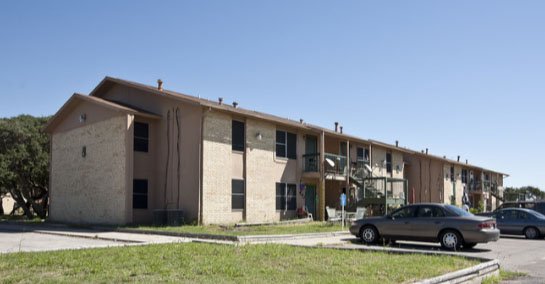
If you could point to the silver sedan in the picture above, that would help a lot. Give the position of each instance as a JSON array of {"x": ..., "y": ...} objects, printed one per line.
[{"x": 429, "y": 222}]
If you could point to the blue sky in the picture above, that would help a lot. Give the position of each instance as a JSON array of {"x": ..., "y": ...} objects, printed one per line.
[{"x": 458, "y": 77}]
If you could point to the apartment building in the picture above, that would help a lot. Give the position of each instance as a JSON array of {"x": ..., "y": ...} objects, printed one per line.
[
  {"x": 438, "y": 179},
  {"x": 129, "y": 153}
]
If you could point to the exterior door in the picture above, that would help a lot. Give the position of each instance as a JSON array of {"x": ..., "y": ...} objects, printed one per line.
[
  {"x": 310, "y": 199},
  {"x": 311, "y": 156},
  {"x": 311, "y": 145}
]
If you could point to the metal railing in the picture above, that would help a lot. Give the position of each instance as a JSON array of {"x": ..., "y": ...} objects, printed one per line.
[
  {"x": 335, "y": 164},
  {"x": 311, "y": 162}
]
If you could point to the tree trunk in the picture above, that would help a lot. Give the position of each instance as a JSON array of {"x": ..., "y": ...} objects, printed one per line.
[{"x": 22, "y": 204}]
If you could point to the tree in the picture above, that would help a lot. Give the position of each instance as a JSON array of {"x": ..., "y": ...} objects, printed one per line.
[
  {"x": 24, "y": 162},
  {"x": 522, "y": 193}
]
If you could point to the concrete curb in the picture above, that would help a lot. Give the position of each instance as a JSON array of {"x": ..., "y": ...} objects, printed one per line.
[
  {"x": 240, "y": 239},
  {"x": 182, "y": 235},
  {"x": 473, "y": 274},
  {"x": 76, "y": 235},
  {"x": 270, "y": 238}
]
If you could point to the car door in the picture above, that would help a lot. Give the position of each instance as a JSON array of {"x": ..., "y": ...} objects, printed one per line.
[
  {"x": 506, "y": 221},
  {"x": 428, "y": 222},
  {"x": 398, "y": 224}
]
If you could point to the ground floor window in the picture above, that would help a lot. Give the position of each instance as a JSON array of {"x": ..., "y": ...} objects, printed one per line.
[
  {"x": 140, "y": 194},
  {"x": 286, "y": 198},
  {"x": 237, "y": 194}
]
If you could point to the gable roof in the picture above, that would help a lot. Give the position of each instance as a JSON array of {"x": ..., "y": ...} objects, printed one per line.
[
  {"x": 77, "y": 98},
  {"x": 109, "y": 82}
]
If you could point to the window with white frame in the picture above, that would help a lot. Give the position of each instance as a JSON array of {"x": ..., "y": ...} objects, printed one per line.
[
  {"x": 286, "y": 144},
  {"x": 286, "y": 198}
]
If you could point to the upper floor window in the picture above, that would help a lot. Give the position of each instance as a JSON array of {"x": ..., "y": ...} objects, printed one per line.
[
  {"x": 141, "y": 137},
  {"x": 286, "y": 144},
  {"x": 389, "y": 163},
  {"x": 238, "y": 135},
  {"x": 464, "y": 176},
  {"x": 452, "y": 174},
  {"x": 363, "y": 154}
]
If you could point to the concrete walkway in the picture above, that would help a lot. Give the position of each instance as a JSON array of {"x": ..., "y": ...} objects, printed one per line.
[{"x": 15, "y": 238}]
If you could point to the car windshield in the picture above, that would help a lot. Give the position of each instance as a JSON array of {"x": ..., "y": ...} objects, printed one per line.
[{"x": 458, "y": 211}]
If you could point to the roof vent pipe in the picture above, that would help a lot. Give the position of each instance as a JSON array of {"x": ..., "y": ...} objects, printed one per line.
[
  {"x": 341, "y": 129},
  {"x": 301, "y": 121},
  {"x": 336, "y": 126},
  {"x": 235, "y": 104},
  {"x": 458, "y": 158},
  {"x": 397, "y": 143},
  {"x": 426, "y": 151},
  {"x": 159, "y": 84},
  {"x": 220, "y": 100},
  {"x": 466, "y": 161}
]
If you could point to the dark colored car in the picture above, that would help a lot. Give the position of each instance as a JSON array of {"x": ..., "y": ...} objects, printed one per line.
[
  {"x": 429, "y": 222},
  {"x": 520, "y": 221},
  {"x": 538, "y": 206}
]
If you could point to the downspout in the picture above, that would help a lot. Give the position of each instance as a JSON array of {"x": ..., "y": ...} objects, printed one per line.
[
  {"x": 199, "y": 209},
  {"x": 167, "y": 161},
  {"x": 178, "y": 158}
]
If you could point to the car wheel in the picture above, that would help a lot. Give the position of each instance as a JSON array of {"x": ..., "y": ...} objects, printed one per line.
[
  {"x": 450, "y": 240},
  {"x": 469, "y": 245},
  {"x": 531, "y": 233},
  {"x": 368, "y": 235}
]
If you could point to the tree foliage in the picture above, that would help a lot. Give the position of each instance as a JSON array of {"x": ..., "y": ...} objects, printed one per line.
[
  {"x": 24, "y": 162},
  {"x": 523, "y": 193}
]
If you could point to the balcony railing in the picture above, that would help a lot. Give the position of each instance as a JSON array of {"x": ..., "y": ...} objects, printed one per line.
[
  {"x": 335, "y": 164},
  {"x": 311, "y": 162}
]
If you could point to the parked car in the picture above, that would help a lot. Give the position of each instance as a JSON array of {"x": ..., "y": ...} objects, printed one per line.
[
  {"x": 538, "y": 206},
  {"x": 520, "y": 221},
  {"x": 430, "y": 222}
]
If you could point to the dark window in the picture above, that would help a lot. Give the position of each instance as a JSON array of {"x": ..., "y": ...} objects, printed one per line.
[
  {"x": 237, "y": 197},
  {"x": 363, "y": 154},
  {"x": 389, "y": 163},
  {"x": 140, "y": 194},
  {"x": 429, "y": 212},
  {"x": 452, "y": 174},
  {"x": 141, "y": 137},
  {"x": 286, "y": 145},
  {"x": 360, "y": 153},
  {"x": 238, "y": 135},
  {"x": 405, "y": 212},
  {"x": 286, "y": 197},
  {"x": 342, "y": 150},
  {"x": 292, "y": 146},
  {"x": 464, "y": 176}
]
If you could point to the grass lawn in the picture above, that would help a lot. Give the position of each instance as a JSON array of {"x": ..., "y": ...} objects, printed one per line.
[
  {"x": 504, "y": 276},
  {"x": 314, "y": 227},
  {"x": 211, "y": 263}
]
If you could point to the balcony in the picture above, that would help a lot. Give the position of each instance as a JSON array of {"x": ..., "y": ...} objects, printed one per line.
[
  {"x": 335, "y": 164},
  {"x": 311, "y": 162}
]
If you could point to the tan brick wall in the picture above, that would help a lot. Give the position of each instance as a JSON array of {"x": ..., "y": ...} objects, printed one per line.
[
  {"x": 217, "y": 163},
  {"x": 91, "y": 189},
  {"x": 264, "y": 170},
  {"x": 449, "y": 188}
]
